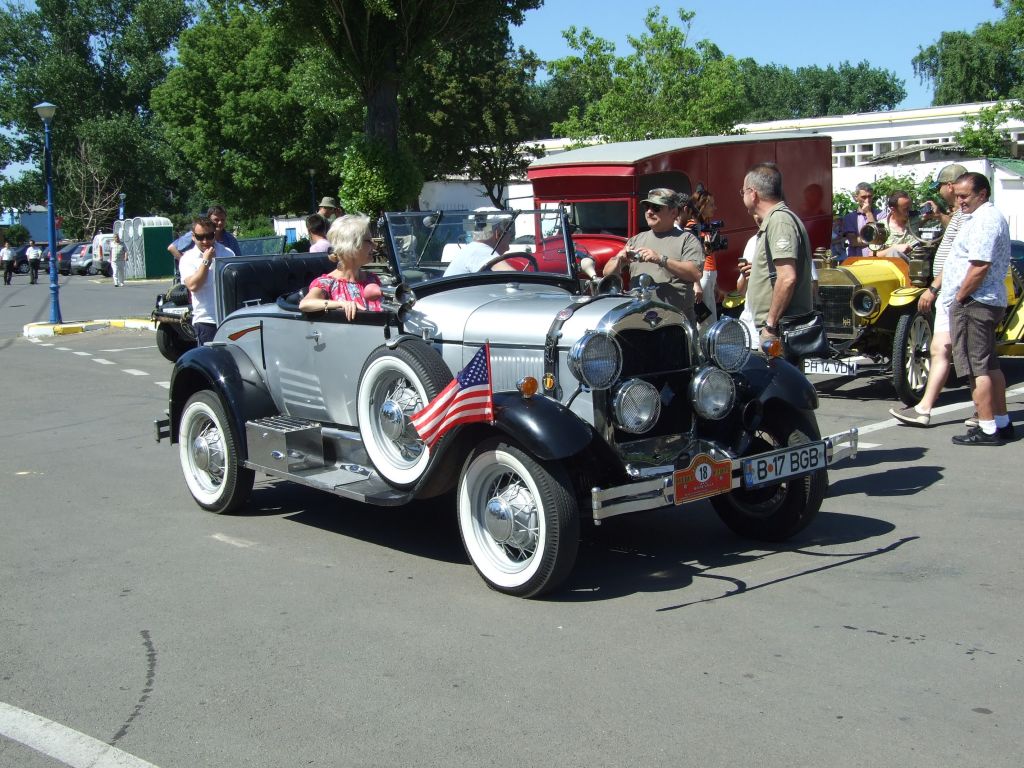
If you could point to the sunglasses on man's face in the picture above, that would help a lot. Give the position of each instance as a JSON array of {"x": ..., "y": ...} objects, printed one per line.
[
  {"x": 653, "y": 208},
  {"x": 203, "y": 235}
]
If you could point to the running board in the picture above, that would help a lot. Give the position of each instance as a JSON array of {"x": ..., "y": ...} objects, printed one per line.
[{"x": 349, "y": 481}]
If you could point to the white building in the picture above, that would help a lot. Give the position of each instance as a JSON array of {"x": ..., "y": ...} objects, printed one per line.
[{"x": 916, "y": 142}]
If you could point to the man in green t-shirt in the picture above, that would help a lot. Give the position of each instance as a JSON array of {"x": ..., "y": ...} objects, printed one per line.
[
  {"x": 674, "y": 258},
  {"x": 783, "y": 236}
]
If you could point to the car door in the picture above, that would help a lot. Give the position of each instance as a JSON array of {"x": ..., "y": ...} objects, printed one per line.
[{"x": 338, "y": 349}]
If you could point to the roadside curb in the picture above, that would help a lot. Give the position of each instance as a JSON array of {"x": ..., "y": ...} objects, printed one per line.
[{"x": 36, "y": 330}]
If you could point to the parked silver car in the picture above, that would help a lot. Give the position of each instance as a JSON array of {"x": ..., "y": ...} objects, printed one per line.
[{"x": 604, "y": 402}]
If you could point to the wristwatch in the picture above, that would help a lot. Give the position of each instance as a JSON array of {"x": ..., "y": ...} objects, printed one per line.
[
  {"x": 772, "y": 329},
  {"x": 663, "y": 261},
  {"x": 207, "y": 262},
  {"x": 934, "y": 290}
]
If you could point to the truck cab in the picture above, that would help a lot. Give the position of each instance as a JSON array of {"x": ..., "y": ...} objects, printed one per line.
[{"x": 602, "y": 186}]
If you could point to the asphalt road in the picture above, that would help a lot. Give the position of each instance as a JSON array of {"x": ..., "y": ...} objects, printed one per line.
[{"x": 314, "y": 631}]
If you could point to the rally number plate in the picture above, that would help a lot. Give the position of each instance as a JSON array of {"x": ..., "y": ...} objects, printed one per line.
[
  {"x": 772, "y": 467},
  {"x": 830, "y": 367},
  {"x": 703, "y": 477}
]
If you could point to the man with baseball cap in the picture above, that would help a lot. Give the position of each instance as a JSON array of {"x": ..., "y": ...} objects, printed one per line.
[
  {"x": 674, "y": 258},
  {"x": 920, "y": 415}
]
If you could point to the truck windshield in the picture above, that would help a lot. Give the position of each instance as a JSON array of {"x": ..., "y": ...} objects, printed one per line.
[{"x": 600, "y": 217}]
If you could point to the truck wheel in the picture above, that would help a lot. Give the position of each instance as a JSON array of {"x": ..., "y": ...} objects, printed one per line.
[
  {"x": 519, "y": 520},
  {"x": 775, "y": 512},
  {"x": 170, "y": 342},
  {"x": 209, "y": 452},
  {"x": 395, "y": 384},
  {"x": 911, "y": 357}
]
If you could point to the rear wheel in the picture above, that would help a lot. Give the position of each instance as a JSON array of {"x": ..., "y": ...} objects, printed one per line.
[
  {"x": 209, "y": 451},
  {"x": 911, "y": 357},
  {"x": 519, "y": 520},
  {"x": 775, "y": 512}
]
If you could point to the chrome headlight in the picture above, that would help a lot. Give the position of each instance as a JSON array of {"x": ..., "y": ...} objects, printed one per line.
[
  {"x": 727, "y": 344},
  {"x": 865, "y": 301},
  {"x": 712, "y": 392},
  {"x": 636, "y": 406},
  {"x": 596, "y": 360}
]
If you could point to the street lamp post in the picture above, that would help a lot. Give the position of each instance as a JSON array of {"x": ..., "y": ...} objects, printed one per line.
[
  {"x": 46, "y": 111},
  {"x": 312, "y": 190},
  {"x": 120, "y": 211}
]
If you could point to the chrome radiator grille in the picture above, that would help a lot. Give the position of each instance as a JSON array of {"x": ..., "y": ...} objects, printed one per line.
[
  {"x": 508, "y": 366},
  {"x": 835, "y": 303}
]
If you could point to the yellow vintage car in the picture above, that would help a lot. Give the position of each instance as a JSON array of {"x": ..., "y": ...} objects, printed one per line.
[{"x": 874, "y": 328}]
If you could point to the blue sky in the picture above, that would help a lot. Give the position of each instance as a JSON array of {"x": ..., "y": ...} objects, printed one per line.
[{"x": 791, "y": 33}]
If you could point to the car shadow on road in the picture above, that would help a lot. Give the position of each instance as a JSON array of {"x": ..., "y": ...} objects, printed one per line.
[
  {"x": 426, "y": 529},
  {"x": 664, "y": 552}
]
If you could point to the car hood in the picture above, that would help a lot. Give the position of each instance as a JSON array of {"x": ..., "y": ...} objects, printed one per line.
[{"x": 516, "y": 314}]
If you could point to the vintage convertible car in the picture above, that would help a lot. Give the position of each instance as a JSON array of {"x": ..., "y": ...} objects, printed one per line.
[{"x": 603, "y": 402}]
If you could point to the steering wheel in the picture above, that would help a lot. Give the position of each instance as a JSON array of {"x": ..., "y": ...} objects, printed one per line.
[{"x": 498, "y": 258}]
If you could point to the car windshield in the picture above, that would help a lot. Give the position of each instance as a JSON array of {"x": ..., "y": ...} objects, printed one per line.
[{"x": 432, "y": 245}]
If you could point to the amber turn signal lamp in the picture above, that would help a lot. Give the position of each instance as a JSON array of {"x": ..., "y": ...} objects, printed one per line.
[
  {"x": 772, "y": 347},
  {"x": 527, "y": 386}
]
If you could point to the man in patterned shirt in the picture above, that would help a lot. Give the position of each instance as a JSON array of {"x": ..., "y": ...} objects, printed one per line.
[
  {"x": 920, "y": 415},
  {"x": 977, "y": 268}
]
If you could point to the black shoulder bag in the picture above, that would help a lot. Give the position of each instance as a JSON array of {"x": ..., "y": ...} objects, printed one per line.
[{"x": 801, "y": 335}]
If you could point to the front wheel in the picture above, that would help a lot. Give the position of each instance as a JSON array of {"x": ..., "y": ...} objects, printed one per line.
[
  {"x": 911, "y": 357},
  {"x": 519, "y": 520},
  {"x": 209, "y": 451},
  {"x": 775, "y": 512}
]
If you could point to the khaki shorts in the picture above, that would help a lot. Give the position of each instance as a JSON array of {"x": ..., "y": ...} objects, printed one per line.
[{"x": 973, "y": 328}]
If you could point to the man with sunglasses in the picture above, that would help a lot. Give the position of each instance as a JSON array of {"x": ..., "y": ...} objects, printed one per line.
[
  {"x": 196, "y": 267},
  {"x": 674, "y": 258},
  {"x": 219, "y": 217}
]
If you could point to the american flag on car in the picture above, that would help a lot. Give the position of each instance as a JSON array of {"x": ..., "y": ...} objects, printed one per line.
[{"x": 466, "y": 399}]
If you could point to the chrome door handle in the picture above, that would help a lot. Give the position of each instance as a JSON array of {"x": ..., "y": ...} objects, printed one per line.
[{"x": 314, "y": 335}]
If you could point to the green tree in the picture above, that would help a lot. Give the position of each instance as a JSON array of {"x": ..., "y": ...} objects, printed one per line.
[
  {"x": 470, "y": 111},
  {"x": 983, "y": 134},
  {"x": 666, "y": 87},
  {"x": 381, "y": 43},
  {"x": 776, "y": 93},
  {"x": 249, "y": 111},
  {"x": 982, "y": 65},
  {"x": 97, "y": 60}
]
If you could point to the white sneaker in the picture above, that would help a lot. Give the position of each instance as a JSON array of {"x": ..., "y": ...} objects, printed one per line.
[{"x": 973, "y": 421}]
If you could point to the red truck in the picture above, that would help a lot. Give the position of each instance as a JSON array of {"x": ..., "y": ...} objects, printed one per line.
[{"x": 604, "y": 184}]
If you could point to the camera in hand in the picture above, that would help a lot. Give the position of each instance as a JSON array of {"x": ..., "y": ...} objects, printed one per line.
[{"x": 713, "y": 238}]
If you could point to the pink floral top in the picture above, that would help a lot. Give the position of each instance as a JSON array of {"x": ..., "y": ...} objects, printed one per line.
[{"x": 346, "y": 290}]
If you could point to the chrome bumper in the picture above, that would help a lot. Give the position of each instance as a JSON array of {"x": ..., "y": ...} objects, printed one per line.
[{"x": 658, "y": 488}]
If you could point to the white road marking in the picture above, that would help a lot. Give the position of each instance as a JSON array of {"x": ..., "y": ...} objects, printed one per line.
[
  {"x": 103, "y": 361},
  {"x": 33, "y": 339},
  {"x": 866, "y": 446},
  {"x": 134, "y": 372},
  {"x": 41, "y": 344},
  {"x": 164, "y": 384},
  {"x": 70, "y": 747},
  {"x": 63, "y": 349},
  {"x": 128, "y": 349},
  {"x": 233, "y": 541},
  {"x": 83, "y": 354},
  {"x": 951, "y": 408}
]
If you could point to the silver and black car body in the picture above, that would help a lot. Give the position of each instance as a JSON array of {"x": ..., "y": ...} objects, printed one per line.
[{"x": 604, "y": 402}]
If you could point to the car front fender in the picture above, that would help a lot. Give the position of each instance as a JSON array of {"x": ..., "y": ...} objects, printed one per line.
[
  {"x": 903, "y": 297},
  {"x": 228, "y": 372},
  {"x": 779, "y": 380},
  {"x": 543, "y": 426}
]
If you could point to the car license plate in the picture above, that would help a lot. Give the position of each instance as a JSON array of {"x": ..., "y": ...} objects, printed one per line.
[
  {"x": 830, "y": 367},
  {"x": 768, "y": 468},
  {"x": 703, "y": 477}
]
